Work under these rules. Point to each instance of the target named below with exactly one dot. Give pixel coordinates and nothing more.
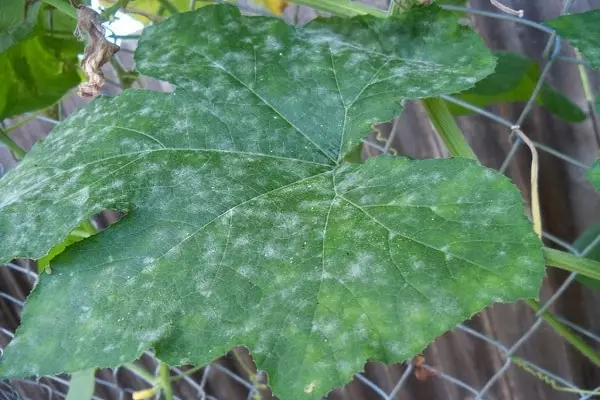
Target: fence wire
(195, 384)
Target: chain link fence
(234, 375)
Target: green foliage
(83, 231)
(245, 226)
(593, 175)
(37, 71)
(157, 7)
(514, 80)
(17, 20)
(585, 240)
(583, 32)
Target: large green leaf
(583, 31)
(40, 69)
(243, 225)
(514, 80)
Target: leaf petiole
(7, 140)
(572, 263)
(446, 127)
(165, 381)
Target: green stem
(170, 7)
(107, 13)
(141, 372)
(22, 122)
(126, 78)
(17, 151)
(572, 263)
(566, 333)
(445, 125)
(342, 8)
(63, 6)
(165, 381)
(126, 37)
(186, 373)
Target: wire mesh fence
(234, 375)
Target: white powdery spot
(272, 43)
(241, 241)
(108, 348)
(361, 264)
(151, 336)
(269, 251)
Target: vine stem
(445, 125)
(566, 333)
(536, 213)
(132, 10)
(587, 90)
(165, 381)
(342, 8)
(247, 369)
(16, 150)
(572, 263)
(109, 12)
(524, 365)
(169, 6)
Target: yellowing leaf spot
(275, 6)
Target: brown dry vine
(97, 52)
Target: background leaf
(514, 80)
(593, 175)
(583, 32)
(157, 7)
(243, 225)
(39, 70)
(586, 239)
(82, 384)
(17, 20)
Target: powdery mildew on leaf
(243, 228)
(582, 30)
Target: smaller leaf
(82, 385)
(39, 70)
(514, 80)
(582, 30)
(582, 243)
(593, 175)
(83, 231)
